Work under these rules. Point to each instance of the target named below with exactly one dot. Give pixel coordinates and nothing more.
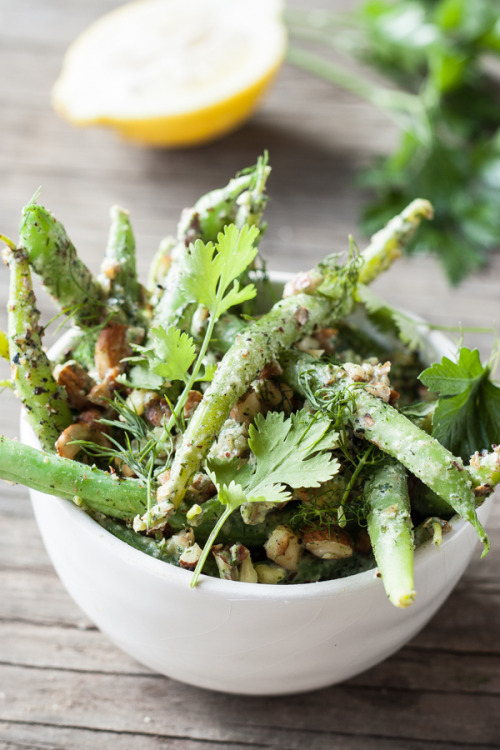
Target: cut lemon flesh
(173, 72)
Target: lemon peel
(173, 73)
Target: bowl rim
(227, 589)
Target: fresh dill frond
(333, 403)
(135, 446)
(308, 517)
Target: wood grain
(62, 684)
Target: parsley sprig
(443, 97)
(211, 281)
(286, 453)
(467, 416)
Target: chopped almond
(66, 445)
(111, 348)
(76, 381)
(328, 544)
(284, 547)
(246, 409)
(190, 556)
(192, 401)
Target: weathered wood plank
(46, 737)
(82, 700)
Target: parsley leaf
(172, 354)
(210, 273)
(467, 415)
(293, 452)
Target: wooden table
(62, 685)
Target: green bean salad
(262, 433)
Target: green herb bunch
(441, 63)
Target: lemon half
(173, 72)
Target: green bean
(119, 267)
(390, 531)
(427, 503)
(53, 257)
(387, 244)
(44, 402)
(432, 529)
(71, 480)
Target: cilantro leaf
(232, 495)
(223, 471)
(208, 373)
(467, 415)
(236, 250)
(207, 275)
(140, 376)
(211, 269)
(293, 452)
(200, 282)
(172, 355)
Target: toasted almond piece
(325, 338)
(284, 547)
(183, 539)
(76, 381)
(111, 348)
(139, 398)
(157, 411)
(124, 468)
(66, 445)
(328, 544)
(200, 489)
(190, 556)
(164, 476)
(101, 393)
(192, 401)
(274, 396)
(269, 573)
(246, 409)
(227, 567)
(248, 574)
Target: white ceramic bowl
(242, 637)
